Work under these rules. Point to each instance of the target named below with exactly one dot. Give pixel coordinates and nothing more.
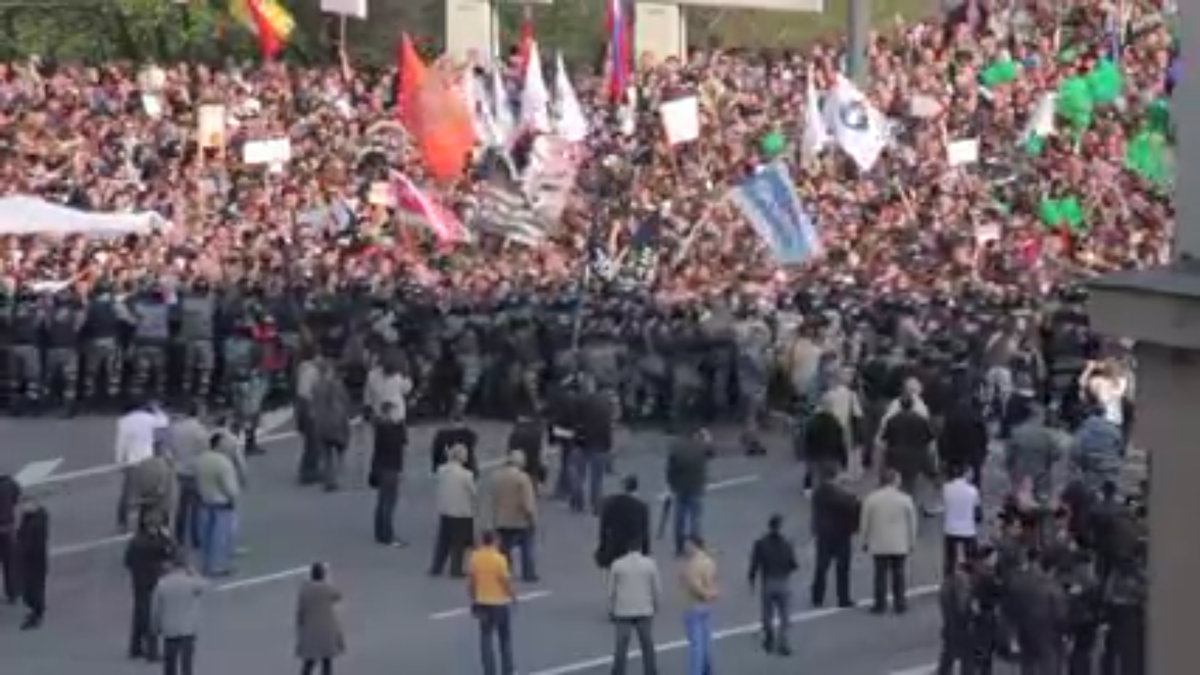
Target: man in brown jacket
(514, 512)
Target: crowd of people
(938, 284)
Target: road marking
(463, 611)
(927, 669)
(251, 582)
(724, 634)
(717, 486)
(85, 546)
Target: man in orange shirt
(489, 583)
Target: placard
(211, 126)
(276, 152)
(354, 8)
(960, 153)
(681, 119)
(381, 194)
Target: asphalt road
(396, 618)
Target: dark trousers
(187, 528)
(331, 463)
(8, 566)
(33, 587)
(495, 638)
(643, 627)
(775, 611)
(956, 550)
(142, 642)
(890, 578)
(310, 665)
(454, 538)
(179, 655)
(387, 495)
(521, 540)
(832, 553)
(957, 651)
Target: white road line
(463, 611)
(85, 546)
(927, 669)
(251, 582)
(724, 634)
(718, 485)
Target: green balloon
(772, 144)
(1104, 82)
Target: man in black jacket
(772, 562)
(33, 547)
(456, 433)
(10, 497)
(907, 438)
(956, 599)
(835, 517)
(594, 439)
(624, 524)
(146, 559)
(387, 468)
(964, 439)
(687, 479)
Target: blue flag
(769, 202)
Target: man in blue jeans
(699, 579)
(590, 456)
(687, 479)
(218, 487)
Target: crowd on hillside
(90, 136)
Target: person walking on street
(219, 489)
(955, 599)
(147, 557)
(10, 500)
(187, 438)
(307, 374)
(330, 419)
(687, 479)
(137, 432)
(387, 471)
(699, 577)
(634, 596)
(624, 524)
(319, 636)
(514, 513)
(152, 486)
(176, 607)
(835, 518)
(961, 516)
(33, 562)
(594, 438)
(456, 501)
(889, 534)
(492, 598)
(772, 564)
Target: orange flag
(444, 134)
(269, 43)
(412, 75)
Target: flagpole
(858, 28)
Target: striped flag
(505, 212)
(620, 49)
(414, 205)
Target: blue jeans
(587, 473)
(698, 630)
(216, 539)
(521, 540)
(688, 516)
(495, 626)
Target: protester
(492, 600)
(187, 438)
(176, 608)
(387, 471)
(457, 500)
(836, 513)
(634, 597)
(698, 575)
(624, 524)
(319, 637)
(772, 564)
(147, 557)
(514, 514)
(687, 479)
(889, 535)
(219, 488)
(10, 501)
(33, 562)
(137, 435)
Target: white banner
(354, 8)
(681, 119)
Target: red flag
(526, 43)
(412, 75)
(269, 44)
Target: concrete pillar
(1160, 308)
(471, 29)
(660, 29)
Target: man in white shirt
(387, 384)
(960, 519)
(137, 433)
(634, 594)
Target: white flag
(502, 112)
(1041, 121)
(570, 122)
(816, 132)
(857, 125)
(535, 98)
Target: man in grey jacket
(634, 592)
(176, 605)
(1033, 449)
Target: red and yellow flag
(268, 20)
